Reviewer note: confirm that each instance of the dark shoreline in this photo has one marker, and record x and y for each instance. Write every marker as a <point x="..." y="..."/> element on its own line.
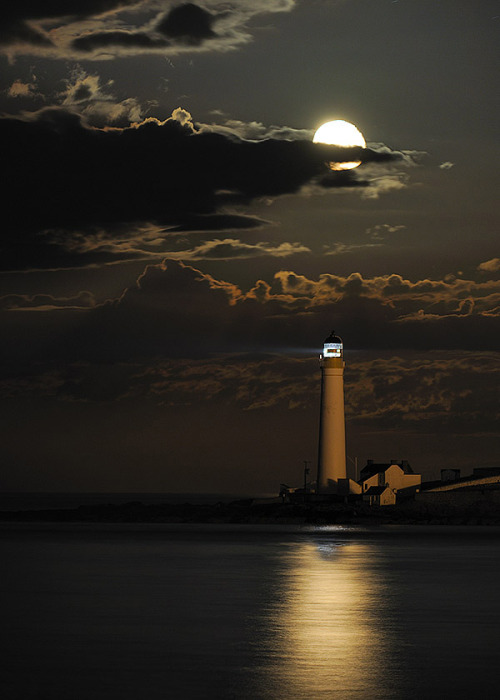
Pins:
<point x="250" y="512"/>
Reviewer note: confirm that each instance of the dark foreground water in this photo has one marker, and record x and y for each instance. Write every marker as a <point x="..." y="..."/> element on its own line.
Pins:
<point x="248" y="612"/>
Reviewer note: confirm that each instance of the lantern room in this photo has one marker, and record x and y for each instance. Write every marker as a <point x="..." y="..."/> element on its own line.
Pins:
<point x="332" y="347"/>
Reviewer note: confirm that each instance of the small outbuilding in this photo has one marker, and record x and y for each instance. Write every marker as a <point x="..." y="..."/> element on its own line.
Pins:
<point x="379" y="496"/>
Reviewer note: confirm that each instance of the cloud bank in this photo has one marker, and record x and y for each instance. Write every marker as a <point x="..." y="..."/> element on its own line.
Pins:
<point x="176" y="310"/>
<point x="172" y="174"/>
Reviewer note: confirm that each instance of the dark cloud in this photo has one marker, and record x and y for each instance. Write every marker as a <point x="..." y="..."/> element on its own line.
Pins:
<point x="176" y="310"/>
<point x="188" y="23"/>
<point x="17" y="32"/>
<point x="170" y="173"/>
<point x="17" y="17"/>
<point x="231" y="248"/>
<point x="218" y="222"/>
<point x="97" y="247"/>
<point x="46" y="302"/>
<point x="128" y="27"/>
<point x="420" y="392"/>
<point x="99" y="40"/>
<point x="342" y="178"/>
<point x="413" y="392"/>
<point x="293" y="313"/>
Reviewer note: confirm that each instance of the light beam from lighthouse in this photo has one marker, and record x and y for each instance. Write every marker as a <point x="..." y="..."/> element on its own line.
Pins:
<point x="331" y="452"/>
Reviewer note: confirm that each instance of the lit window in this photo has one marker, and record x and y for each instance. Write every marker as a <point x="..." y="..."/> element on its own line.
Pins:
<point x="332" y="349"/>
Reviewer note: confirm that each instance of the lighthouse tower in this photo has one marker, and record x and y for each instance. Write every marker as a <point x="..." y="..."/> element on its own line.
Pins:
<point x="331" y="454"/>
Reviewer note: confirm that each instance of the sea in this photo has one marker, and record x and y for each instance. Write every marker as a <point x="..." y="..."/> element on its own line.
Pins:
<point x="121" y="611"/>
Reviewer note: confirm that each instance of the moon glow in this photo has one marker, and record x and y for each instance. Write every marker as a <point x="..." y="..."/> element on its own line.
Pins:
<point x="340" y="133"/>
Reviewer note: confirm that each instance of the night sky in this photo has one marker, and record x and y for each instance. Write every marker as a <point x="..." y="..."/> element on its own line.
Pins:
<point x="175" y="248"/>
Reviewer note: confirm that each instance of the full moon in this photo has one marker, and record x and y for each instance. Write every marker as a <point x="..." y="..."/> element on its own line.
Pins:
<point x="340" y="133"/>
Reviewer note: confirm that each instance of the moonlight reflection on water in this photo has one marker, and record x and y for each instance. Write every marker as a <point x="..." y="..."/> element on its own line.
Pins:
<point x="248" y="612"/>
<point x="328" y="624"/>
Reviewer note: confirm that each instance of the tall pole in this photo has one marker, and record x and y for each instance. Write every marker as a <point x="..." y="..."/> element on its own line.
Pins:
<point x="354" y="460"/>
<point x="306" y="473"/>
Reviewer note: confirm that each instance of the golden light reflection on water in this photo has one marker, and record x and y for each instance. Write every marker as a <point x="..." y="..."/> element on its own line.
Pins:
<point x="327" y="636"/>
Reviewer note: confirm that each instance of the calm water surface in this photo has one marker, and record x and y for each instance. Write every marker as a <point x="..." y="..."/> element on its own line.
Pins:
<point x="250" y="612"/>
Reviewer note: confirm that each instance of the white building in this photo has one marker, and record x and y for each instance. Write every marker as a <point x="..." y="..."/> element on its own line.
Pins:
<point x="396" y="476"/>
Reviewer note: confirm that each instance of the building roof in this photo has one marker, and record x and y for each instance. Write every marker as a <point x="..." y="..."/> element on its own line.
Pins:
<point x="371" y="468"/>
<point x="375" y="490"/>
<point x="479" y="477"/>
<point x="332" y="338"/>
<point x="466" y="482"/>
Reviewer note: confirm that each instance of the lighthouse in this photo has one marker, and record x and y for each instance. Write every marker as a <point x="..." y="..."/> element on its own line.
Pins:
<point x="331" y="453"/>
